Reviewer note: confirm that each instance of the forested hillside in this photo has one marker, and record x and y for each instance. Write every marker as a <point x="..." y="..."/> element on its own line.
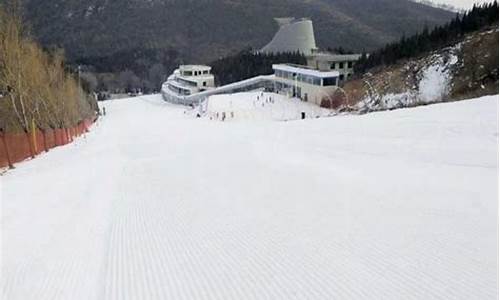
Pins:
<point x="142" y="39"/>
<point x="247" y="64"/>
<point x="36" y="88"/>
<point x="448" y="63"/>
<point x="431" y="39"/>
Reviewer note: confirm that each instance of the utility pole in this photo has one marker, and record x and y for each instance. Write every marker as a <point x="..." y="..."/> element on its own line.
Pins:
<point x="79" y="83"/>
<point x="295" y="92"/>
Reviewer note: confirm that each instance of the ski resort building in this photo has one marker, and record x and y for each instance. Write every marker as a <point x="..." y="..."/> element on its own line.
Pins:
<point x="191" y="85"/>
<point x="306" y="83"/>
<point x="174" y="91"/>
<point x="343" y="63"/>
<point x="298" y="35"/>
<point x="188" y="80"/>
<point x="293" y="35"/>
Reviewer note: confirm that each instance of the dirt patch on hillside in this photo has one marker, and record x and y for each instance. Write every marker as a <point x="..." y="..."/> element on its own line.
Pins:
<point x="466" y="70"/>
<point x="478" y="75"/>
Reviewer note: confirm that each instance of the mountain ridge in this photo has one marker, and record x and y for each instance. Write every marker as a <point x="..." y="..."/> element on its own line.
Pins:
<point x="208" y="29"/>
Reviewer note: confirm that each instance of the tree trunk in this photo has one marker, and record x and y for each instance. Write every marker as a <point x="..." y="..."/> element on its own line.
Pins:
<point x="6" y="147"/>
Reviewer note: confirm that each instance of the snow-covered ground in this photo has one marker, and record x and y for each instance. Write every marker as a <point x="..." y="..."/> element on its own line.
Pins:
<point x="259" y="106"/>
<point x="155" y="204"/>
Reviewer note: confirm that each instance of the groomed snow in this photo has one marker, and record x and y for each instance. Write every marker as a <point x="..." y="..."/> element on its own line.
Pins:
<point x="156" y="204"/>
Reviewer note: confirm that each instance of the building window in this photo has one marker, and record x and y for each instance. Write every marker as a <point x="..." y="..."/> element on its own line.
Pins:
<point x="331" y="81"/>
<point x="204" y="83"/>
<point x="341" y="77"/>
<point x="341" y="65"/>
<point x="333" y="66"/>
<point x="349" y="65"/>
<point x="310" y="79"/>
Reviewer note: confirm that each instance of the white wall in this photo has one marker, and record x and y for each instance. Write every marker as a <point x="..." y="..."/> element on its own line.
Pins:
<point x="297" y="36"/>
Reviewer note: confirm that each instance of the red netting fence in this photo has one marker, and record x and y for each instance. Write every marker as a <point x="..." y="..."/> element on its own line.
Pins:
<point x="16" y="147"/>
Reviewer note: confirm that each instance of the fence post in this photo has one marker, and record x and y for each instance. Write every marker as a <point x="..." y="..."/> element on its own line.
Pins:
<point x="29" y="140"/>
<point x="5" y="146"/>
<point x="44" y="140"/>
<point x="66" y="134"/>
<point x="33" y="134"/>
<point x="56" y="142"/>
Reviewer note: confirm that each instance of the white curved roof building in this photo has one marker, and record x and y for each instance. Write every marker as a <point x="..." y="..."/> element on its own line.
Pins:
<point x="293" y="35"/>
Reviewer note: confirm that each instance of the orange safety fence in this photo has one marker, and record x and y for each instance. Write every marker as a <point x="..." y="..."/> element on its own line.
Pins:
<point x="16" y="147"/>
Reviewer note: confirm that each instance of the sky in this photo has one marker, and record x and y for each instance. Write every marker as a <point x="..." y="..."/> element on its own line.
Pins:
<point x="462" y="3"/>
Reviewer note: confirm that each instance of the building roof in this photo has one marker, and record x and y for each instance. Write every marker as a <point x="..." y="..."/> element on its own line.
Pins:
<point x="293" y="35"/>
<point x="326" y="56"/>
<point x="305" y="70"/>
<point x="194" y="68"/>
<point x="289" y="20"/>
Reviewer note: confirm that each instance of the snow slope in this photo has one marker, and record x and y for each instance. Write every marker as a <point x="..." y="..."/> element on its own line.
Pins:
<point x="259" y="106"/>
<point x="154" y="204"/>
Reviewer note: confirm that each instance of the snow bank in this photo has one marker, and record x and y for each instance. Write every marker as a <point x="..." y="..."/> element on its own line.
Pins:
<point x="154" y="204"/>
<point x="391" y="101"/>
<point x="435" y="83"/>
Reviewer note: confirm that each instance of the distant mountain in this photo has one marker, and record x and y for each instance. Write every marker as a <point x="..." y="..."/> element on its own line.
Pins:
<point x="202" y="30"/>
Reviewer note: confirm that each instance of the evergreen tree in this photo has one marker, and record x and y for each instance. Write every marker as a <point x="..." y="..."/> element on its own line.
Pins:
<point x="478" y="17"/>
<point x="247" y="64"/>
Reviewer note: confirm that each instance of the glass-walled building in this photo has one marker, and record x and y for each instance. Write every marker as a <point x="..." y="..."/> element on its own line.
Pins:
<point x="304" y="82"/>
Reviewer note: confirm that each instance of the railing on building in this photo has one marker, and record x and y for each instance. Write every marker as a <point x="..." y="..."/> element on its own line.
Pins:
<point x="260" y="82"/>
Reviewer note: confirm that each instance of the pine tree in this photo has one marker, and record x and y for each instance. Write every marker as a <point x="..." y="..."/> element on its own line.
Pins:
<point x="427" y="40"/>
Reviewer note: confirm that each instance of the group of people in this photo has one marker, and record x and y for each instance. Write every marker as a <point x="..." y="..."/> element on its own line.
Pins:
<point x="102" y="112"/>
<point x="264" y="100"/>
<point x="261" y="100"/>
<point x="222" y="116"/>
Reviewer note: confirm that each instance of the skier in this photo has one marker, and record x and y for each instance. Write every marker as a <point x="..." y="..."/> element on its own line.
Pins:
<point x="104" y="110"/>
